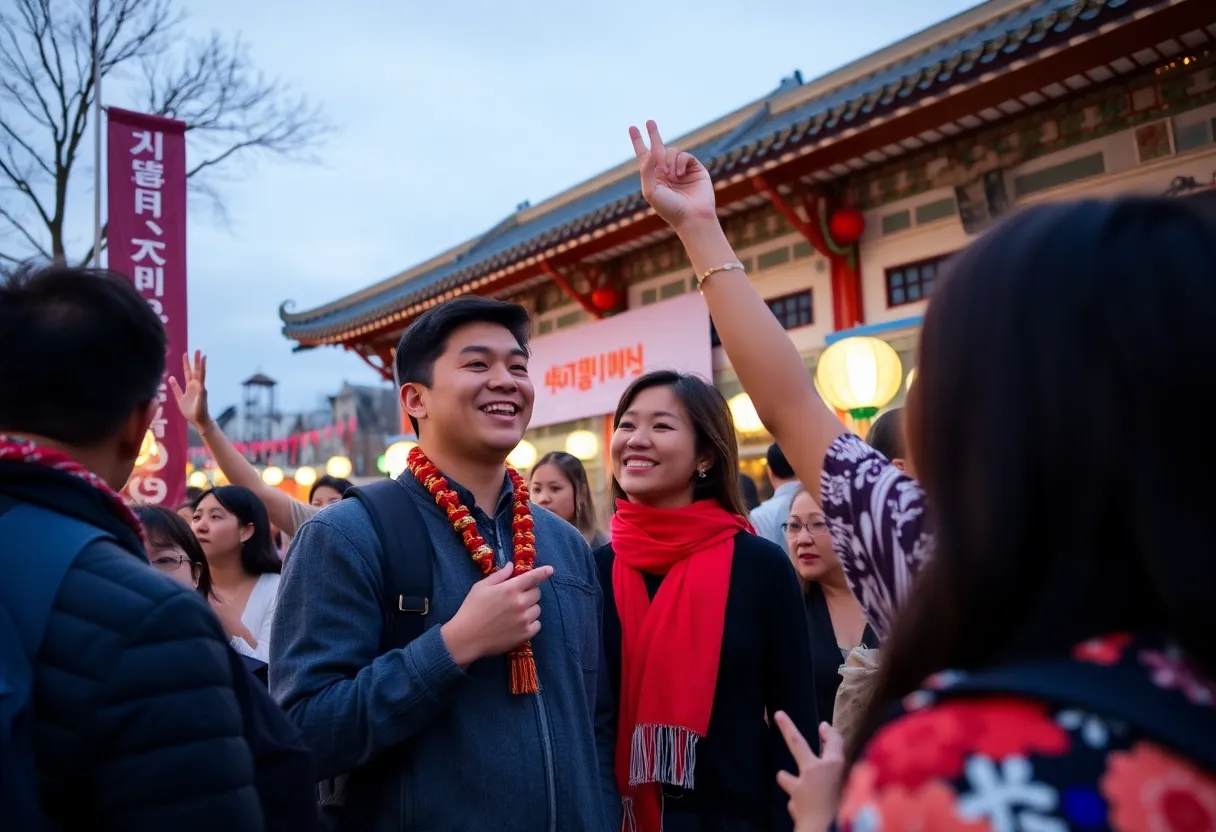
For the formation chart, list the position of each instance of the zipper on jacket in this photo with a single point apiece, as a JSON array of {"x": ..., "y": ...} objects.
[
  {"x": 546, "y": 733},
  {"x": 547, "y": 747}
]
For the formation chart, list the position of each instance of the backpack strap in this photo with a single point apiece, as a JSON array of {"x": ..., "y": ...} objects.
[
  {"x": 1164, "y": 716},
  {"x": 406, "y": 557},
  {"x": 37, "y": 547}
]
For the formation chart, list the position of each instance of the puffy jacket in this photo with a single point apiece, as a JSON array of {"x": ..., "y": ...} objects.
[{"x": 137, "y": 726}]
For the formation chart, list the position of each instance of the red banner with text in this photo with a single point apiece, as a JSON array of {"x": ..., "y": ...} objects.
[{"x": 146, "y": 235}]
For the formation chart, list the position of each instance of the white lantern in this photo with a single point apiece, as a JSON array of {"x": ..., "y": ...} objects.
[
  {"x": 859, "y": 375},
  {"x": 338, "y": 466},
  {"x": 306, "y": 476},
  {"x": 396, "y": 458},
  {"x": 198, "y": 479},
  {"x": 273, "y": 475},
  {"x": 582, "y": 444},
  {"x": 747, "y": 420},
  {"x": 523, "y": 457}
]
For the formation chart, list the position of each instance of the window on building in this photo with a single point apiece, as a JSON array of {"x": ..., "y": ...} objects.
[
  {"x": 911, "y": 282},
  {"x": 792, "y": 311}
]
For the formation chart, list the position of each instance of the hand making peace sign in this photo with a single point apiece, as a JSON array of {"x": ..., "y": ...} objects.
[{"x": 674, "y": 182}]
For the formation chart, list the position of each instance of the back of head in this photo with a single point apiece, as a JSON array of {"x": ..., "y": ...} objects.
[
  {"x": 887, "y": 434},
  {"x": 80, "y": 351},
  {"x": 1057, "y": 355},
  {"x": 751, "y": 494},
  {"x": 427, "y": 337},
  {"x": 778, "y": 465}
]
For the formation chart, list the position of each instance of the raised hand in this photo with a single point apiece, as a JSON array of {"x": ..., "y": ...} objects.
[
  {"x": 673, "y": 182},
  {"x": 500, "y": 613},
  {"x": 193, "y": 400},
  {"x": 815, "y": 789}
]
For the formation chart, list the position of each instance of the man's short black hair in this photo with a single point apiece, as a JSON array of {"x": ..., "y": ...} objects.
[
  {"x": 777, "y": 463},
  {"x": 80, "y": 350},
  {"x": 427, "y": 337},
  {"x": 887, "y": 434}
]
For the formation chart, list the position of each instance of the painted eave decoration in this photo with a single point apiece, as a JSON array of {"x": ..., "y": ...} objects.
[{"x": 772, "y": 131}]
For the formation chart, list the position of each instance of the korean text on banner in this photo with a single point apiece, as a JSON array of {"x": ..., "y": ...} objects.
[
  {"x": 583, "y": 371},
  {"x": 146, "y": 233}
]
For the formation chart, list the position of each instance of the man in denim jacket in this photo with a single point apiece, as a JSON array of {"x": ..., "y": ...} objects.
[{"x": 477, "y": 755}]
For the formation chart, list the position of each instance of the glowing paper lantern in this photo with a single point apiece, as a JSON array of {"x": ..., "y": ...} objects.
[
  {"x": 149, "y": 449},
  {"x": 273, "y": 475},
  {"x": 523, "y": 457},
  {"x": 198, "y": 479},
  {"x": 859, "y": 375},
  {"x": 747, "y": 420},
  {"x": 396, "y": 456},
  {"x": 338, "y": 466},
  {"x": 381, "y": 465},
  {"x": 306, "y": 476},
  {"x": 582, "y": 444}
]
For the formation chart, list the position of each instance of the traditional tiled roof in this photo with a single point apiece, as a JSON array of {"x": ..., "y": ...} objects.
[{"x": 981, "y": 40}]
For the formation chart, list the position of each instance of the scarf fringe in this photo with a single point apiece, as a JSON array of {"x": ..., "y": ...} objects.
[{"x": 662, "y": 754}]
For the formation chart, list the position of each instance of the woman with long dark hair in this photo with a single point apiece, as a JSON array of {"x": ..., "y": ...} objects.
[
  {"x": 233, "y": 530},
  {"x": 558, "y": 482},
  {"x": 1052, "y": 666},
  {"x": 704, "y": 629},
  {"x": 173, "y": 549}
]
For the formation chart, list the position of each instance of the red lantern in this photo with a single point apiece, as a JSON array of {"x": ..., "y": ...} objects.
[
  {"x": 604, "y": 299},
  {"x": 846, "y": 226}
]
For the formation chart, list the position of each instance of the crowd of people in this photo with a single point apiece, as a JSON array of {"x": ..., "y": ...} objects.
[{"x": 1020, "y": 551}]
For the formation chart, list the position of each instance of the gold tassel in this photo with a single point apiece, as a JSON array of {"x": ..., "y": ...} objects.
[{"x": 523, "y": 671}]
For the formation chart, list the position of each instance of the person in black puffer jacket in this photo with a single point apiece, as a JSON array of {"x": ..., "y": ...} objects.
[{"x": 137, "y": 725}]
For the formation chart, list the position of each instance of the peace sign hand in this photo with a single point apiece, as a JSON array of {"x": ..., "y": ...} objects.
[
  {"x": 815, "y": 790},
  {"x": 673, "y": 182}
]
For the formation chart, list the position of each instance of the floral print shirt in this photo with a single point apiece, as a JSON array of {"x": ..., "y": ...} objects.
[
  {"x": 1017, "y": 763},
  {"x": 876, "y": 514}
]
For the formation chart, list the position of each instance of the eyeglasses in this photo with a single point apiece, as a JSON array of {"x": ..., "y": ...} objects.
[
  {"x": 167, "y": 562},
  {"x": 817, "y": 528}
]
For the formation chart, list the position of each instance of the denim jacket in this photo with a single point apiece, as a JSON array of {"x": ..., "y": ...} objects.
[{"x": 479, "y": 756}]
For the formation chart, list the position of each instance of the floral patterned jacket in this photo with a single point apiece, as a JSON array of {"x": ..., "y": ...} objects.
[{"x": 1119, "y": 736}]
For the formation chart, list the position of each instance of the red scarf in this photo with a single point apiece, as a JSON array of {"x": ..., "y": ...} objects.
[
  {"x": 23, "y": 450},
  {"x": 670, "y": 649}
]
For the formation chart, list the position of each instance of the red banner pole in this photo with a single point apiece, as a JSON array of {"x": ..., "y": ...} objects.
[{"x": 146, "y": 183}]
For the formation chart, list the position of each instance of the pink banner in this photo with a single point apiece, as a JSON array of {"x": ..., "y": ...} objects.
[
  {"x": 583, "y": 372},
  {"x": 146, "y": 233}
]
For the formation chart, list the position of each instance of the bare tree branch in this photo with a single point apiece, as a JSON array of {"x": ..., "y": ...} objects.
[{"x": 47, "y": 92}]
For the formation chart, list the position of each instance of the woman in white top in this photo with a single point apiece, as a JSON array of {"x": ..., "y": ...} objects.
[{"x": 231, "y": 525}]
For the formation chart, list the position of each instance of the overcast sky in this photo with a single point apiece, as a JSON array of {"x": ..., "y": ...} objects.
[{"x": 450, "y": 114}]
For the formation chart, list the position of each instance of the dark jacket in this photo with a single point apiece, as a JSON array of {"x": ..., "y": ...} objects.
[
  {"x": 765, "y": 666},
  {"x": 137, "y": 724},
  {"x": 474, "y": 756}
]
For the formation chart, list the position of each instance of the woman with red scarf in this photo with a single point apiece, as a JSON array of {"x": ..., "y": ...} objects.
[{"x": 705, "y": 632}]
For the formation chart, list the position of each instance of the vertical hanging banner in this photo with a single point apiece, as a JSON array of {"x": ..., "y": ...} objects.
[{"x": 146, "y": 234}]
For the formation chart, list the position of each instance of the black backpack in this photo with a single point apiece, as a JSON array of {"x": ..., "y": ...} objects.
[
  {"x": 406, "y": 566},
  {"x": 27, "y": 595}
]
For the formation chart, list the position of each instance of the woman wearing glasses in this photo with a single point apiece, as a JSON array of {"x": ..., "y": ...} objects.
[
  {"x": 173, "y": 549},
  {"x": 837, "y": 621}
]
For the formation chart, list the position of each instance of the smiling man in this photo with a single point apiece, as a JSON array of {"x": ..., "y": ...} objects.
[{"x": 489, "y": 718}]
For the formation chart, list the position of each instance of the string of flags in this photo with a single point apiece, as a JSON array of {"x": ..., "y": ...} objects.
[{"x": 288, "y": 444}]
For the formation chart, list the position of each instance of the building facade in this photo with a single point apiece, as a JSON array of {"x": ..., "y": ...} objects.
[{"x": 929, "y": 141}]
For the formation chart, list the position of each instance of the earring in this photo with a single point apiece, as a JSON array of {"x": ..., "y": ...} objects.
[{"x": 701, "y": 473}]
